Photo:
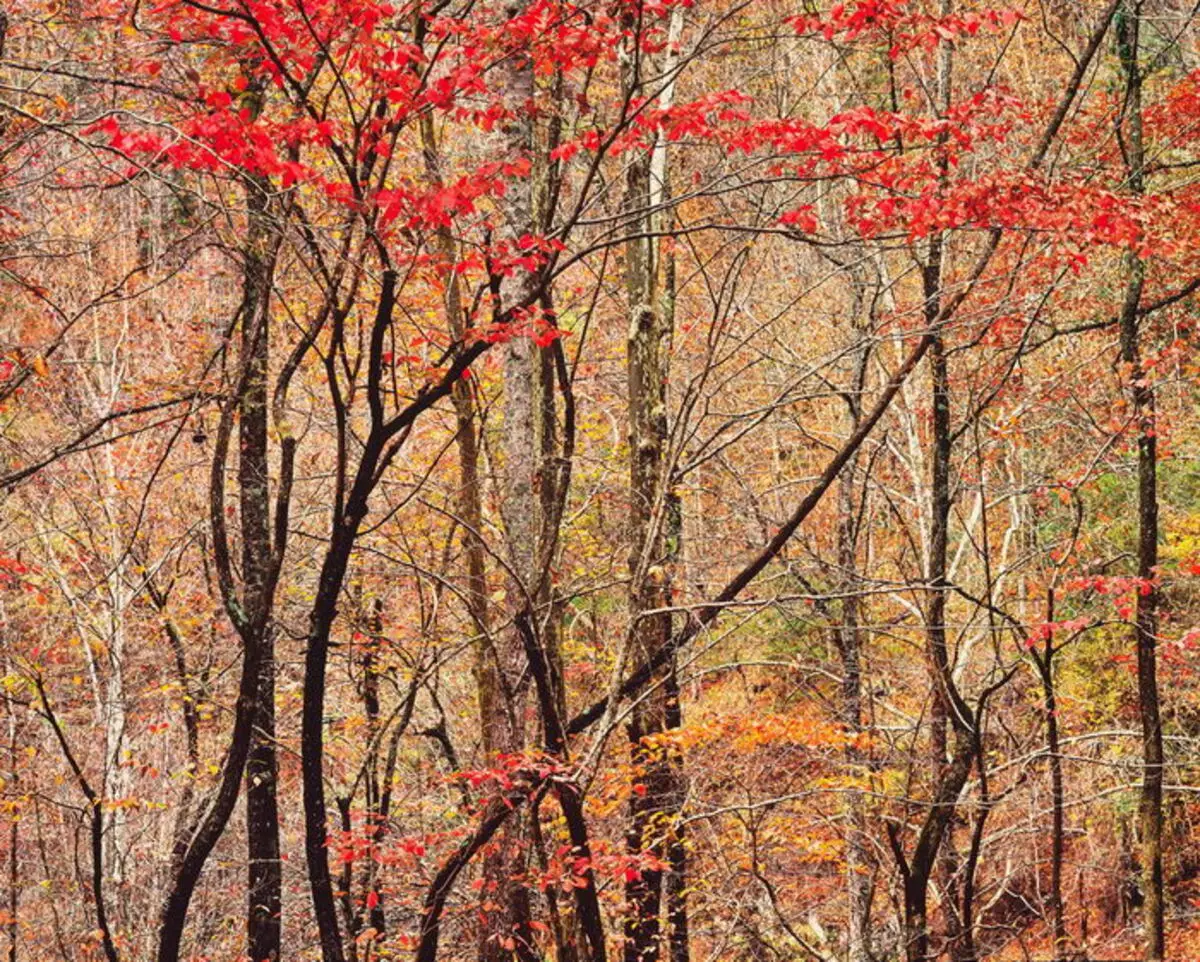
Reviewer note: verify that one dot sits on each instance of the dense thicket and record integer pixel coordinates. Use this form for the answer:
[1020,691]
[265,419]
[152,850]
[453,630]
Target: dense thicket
[656,480]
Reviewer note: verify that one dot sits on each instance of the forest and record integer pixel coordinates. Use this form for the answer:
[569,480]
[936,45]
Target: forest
[599,480]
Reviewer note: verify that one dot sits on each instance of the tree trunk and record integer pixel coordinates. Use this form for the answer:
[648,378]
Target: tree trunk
[503,691]
[953,722]
[647,415]
[1141,394]
[655,531]
[675,882]
[12,924]
[346,523]
[1045,664]
[312,719]
[847,640]
[376,794]
[264,890]
[675,879]
[250,614]
[933,831]
[949,713]
[214,818]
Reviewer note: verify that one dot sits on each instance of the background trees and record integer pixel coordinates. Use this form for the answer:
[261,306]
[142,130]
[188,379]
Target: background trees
[587,480]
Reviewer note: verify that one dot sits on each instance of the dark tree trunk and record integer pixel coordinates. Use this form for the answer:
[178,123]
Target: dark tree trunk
[347,521]
[264,889]
[950,715]
[376,795]
[249,612]
[215,818]
[358,920]
[920,869]
[12,926]
[1045,665]
[935,616]
[312,734]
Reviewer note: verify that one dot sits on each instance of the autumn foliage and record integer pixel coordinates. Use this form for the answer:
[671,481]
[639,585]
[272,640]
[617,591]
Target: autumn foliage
[654,480]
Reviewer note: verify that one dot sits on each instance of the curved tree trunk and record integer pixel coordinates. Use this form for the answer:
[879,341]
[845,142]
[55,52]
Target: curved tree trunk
[253,725]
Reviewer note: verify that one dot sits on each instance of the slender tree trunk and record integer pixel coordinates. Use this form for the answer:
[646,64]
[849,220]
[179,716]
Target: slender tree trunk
[264,936]
[847,641]
[12,926]
[966,948]
[676,879]
[859,885]
[1141,393]
[376,796]
[551,502]
[358,920]
[264,889]
[935,617]
[250,614]
[346,523]
[587,904]
[675,882]
[920,870]
[312,720]
[949,714]
[469,496]
[953,739]
[1045,665]
[470,510]
[647,416]
[215,816]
